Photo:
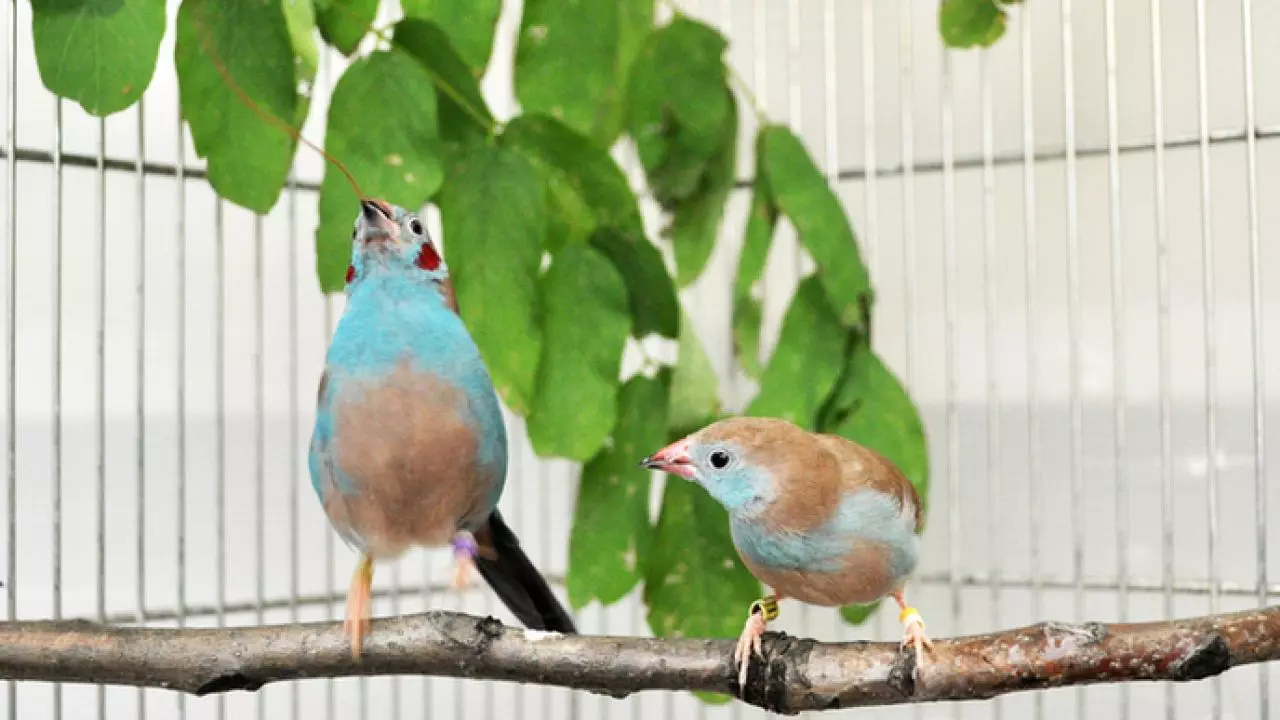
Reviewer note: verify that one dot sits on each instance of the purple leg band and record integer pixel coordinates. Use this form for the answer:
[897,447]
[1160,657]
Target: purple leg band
[464,545]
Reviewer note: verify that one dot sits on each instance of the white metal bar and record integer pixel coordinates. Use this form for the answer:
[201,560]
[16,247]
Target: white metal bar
[1163,311]
[950,301]
[1073,322]
[180,206]
[906,62]
[991,313]
[220,434]
[294,434]
[1032,279]
[906,101]
[872,231]
[11,340]
[56,480]
[330,549]
[1117,335]
[1256,339]
[260,441]
[1223,136]
[101,420]
[140,540]
[1210,329]
[330,546]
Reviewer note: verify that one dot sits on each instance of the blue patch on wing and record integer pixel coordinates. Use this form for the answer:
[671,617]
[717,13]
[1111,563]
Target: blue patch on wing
[864,515]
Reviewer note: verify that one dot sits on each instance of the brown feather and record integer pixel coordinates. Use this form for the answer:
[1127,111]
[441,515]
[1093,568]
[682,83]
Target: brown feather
[410,451]
[864,467]
[450,298]
[863,578]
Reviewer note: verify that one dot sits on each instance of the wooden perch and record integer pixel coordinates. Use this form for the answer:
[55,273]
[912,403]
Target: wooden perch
[797,674]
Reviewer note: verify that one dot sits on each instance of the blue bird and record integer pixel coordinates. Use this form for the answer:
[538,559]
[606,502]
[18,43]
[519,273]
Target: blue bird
[816,517]
[409,447]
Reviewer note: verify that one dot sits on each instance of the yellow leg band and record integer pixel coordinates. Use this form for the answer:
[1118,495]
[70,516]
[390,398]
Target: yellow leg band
[767,607]
[908,615]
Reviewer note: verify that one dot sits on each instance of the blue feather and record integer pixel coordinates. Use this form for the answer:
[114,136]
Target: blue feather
[392,316]
[862,515]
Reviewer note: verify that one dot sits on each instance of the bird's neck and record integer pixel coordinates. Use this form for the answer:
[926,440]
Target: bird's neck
[389,317]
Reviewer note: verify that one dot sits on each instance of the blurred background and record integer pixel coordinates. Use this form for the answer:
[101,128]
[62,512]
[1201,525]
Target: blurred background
[1104,316]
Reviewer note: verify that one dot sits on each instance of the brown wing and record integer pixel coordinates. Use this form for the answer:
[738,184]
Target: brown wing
[450,298]
[864,467]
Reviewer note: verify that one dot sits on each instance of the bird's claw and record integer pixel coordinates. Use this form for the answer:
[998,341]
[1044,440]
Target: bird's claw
[915,636]
[748,643]
[464,553]
[762,611]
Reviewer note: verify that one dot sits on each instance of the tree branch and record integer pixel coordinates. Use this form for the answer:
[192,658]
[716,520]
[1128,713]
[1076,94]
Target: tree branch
[797,674]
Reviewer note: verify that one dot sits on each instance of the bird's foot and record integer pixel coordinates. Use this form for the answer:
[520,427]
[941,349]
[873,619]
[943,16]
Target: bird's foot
[359,605]
[465,550]
[762,611]
[913,631]
[914,635]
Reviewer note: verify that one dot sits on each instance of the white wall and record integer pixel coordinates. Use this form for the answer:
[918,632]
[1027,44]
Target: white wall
[838,72]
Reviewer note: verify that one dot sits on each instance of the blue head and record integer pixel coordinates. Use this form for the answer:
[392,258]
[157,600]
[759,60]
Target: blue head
[388,240]
[739,461]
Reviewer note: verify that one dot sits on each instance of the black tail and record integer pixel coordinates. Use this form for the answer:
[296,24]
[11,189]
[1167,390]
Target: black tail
[518,583]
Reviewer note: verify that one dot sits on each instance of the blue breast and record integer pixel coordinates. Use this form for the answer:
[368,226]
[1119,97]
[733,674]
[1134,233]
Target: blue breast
[862,516]
[390,319]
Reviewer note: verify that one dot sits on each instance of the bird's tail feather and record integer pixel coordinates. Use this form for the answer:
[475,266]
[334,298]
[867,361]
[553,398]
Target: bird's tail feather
[519,584]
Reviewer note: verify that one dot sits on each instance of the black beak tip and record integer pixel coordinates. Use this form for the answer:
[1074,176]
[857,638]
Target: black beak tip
[371,210]
[647,462]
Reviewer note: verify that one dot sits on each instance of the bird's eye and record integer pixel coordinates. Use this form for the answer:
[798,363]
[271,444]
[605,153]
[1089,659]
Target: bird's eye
[719,459]
[415,227]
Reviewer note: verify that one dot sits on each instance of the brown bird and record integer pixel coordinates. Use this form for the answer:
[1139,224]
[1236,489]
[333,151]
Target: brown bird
[816,517]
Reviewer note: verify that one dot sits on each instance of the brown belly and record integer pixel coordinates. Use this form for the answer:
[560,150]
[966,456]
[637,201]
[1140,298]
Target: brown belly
[412,457]
[864,578]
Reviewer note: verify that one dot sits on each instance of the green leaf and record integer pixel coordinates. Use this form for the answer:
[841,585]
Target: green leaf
[344,23]
[695,225]
[300,16]
[747,310]
[806,362]
[969,23]
[654,306]
[677,112]
[695,389]
[585,328]
[883,418]
[494,214]
[858,614]
[464,115]
[571,60]
[589,198]
[635,23]
[695,582]
[802,194]
[609,542]
[248,157]
[382,127]
[101,55]
[573,160]
[470,25]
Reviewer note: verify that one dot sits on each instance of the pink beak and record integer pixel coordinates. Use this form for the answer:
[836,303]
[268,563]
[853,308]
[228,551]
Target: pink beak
[673,459]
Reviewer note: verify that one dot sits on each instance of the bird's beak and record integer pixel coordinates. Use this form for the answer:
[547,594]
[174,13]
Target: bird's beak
[377,223]
[673,459]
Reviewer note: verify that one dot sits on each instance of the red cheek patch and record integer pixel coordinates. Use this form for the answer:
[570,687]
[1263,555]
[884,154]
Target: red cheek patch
[428,258]
[351,273]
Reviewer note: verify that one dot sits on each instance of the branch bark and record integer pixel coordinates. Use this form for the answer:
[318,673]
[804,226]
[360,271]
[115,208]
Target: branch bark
[796,675]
